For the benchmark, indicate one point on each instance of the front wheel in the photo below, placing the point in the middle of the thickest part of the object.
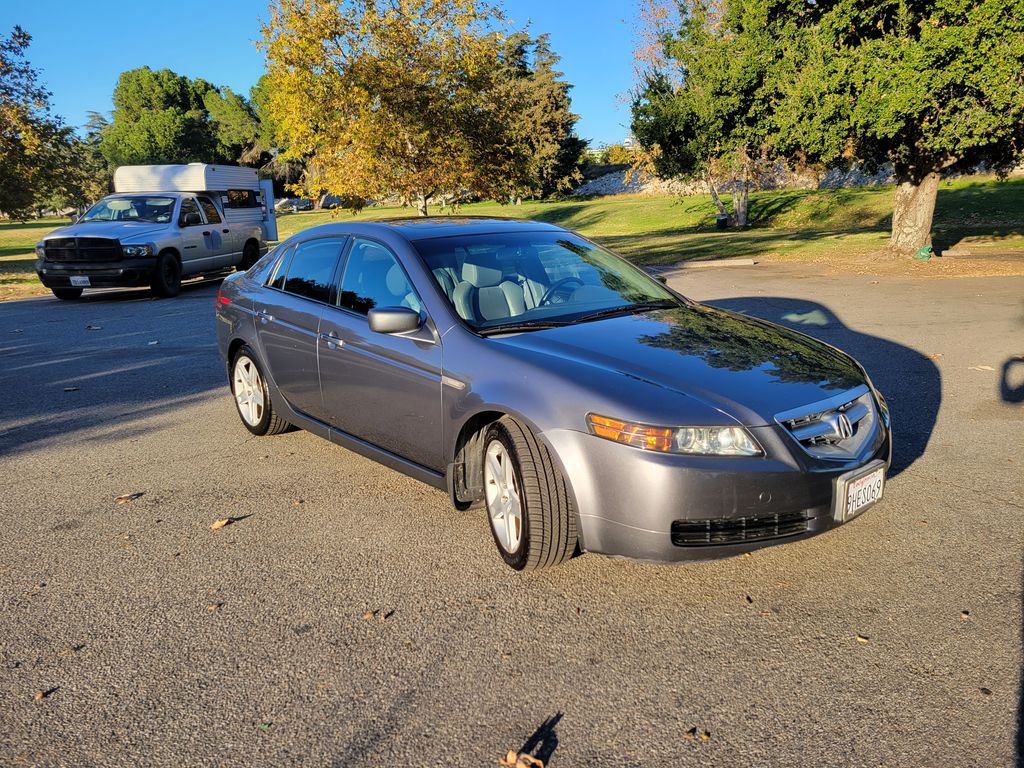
(528, 506)
(252, 396)
(167, 276)
(67, 294)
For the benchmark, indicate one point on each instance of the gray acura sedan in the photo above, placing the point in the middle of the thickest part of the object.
(580, 402)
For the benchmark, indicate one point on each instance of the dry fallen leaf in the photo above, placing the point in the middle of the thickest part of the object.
(40, 695)
(369, 615)
(520, 760)
(218, 524)
(125, 498)
(965, 615)
(936, 356)
(986, 691)
(212, 607)
(981, 368)
(705, 735)
(70, 389)
(94, 327)
(863, 639)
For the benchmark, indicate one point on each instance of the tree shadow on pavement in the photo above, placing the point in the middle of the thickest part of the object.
(96, 370)
(909, 381)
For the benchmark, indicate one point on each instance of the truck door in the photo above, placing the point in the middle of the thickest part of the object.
(223, 236)
(195, 237)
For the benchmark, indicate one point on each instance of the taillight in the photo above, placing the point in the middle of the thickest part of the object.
(222, 300)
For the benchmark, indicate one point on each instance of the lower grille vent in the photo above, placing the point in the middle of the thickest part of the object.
(704, 533)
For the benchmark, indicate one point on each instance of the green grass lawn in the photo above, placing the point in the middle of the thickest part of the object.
(981, 213)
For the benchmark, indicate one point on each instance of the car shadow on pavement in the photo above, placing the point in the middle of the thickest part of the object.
(909, 381)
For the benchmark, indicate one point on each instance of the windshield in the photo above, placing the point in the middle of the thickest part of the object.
(542, 278)
(148, 208)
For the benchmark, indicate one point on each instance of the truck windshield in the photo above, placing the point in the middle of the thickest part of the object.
(147, 208)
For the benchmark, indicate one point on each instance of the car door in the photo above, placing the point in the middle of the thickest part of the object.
(382, 388)
(288, 319)
(222, 239)
(194, 235)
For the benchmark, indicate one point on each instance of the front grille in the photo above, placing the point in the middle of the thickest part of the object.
(82, 249)
(705, 533)
(837, 428)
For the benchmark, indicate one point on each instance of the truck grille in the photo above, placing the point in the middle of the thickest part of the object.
(837, 428)
(705, 533)
(82, 249)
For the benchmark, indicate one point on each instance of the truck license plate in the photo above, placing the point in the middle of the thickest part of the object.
(80, 281)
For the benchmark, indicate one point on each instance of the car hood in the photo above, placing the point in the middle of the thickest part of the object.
(748, 368)
(125, 231)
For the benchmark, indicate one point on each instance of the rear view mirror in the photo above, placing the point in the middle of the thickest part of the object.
(394, 320)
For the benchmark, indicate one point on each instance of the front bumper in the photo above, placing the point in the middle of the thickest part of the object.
(627, 499)
(126, 273)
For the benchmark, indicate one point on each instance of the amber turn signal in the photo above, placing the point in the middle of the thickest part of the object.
(637, 435)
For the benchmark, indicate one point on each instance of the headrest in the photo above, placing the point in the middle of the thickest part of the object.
(482, 270)
(398, 285)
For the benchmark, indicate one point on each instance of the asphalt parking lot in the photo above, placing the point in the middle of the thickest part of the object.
(352, 617)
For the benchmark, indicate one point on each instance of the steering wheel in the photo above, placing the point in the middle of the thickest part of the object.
(556, 288)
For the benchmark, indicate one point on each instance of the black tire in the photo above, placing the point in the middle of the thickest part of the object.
(268, 422)
(67, 294)
(548, 518)
(167, 276)
(250, 255)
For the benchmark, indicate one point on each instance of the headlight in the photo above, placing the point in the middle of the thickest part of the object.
(40, 249)
(696, 441)
(137, 250)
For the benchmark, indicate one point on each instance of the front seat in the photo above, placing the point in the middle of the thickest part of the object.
(484, 293)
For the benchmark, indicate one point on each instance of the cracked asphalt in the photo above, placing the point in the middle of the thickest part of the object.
(351, 617)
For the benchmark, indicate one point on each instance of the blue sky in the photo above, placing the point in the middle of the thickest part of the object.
(82, 47)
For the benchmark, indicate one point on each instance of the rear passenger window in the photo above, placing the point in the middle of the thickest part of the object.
(312, 269)
(281, 270)
(212, 215)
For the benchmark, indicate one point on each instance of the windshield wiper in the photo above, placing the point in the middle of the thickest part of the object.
(626, 309)
(532, 325)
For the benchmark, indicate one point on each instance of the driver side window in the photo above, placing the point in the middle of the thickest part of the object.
(373, 279)
(189, 205)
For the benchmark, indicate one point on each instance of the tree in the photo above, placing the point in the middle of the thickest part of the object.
(929, 86)
(33, 142)
(236, 127)
(403, 97)
(160, 117)
(710, 120)
(545, 120)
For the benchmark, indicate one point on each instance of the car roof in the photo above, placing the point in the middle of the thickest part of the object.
(427, 227)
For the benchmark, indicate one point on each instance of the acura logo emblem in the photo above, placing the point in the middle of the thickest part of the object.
(840, 424)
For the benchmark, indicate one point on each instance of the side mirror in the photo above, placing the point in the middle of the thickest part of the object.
(74, 218)
(394, 320)
(192, 219)
(661, 279)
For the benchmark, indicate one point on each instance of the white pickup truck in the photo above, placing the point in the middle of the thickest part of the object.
(163, 223)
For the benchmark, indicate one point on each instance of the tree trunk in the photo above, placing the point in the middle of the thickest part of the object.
(912, 214)
(421, 203)
(714, 195)
(740, 200)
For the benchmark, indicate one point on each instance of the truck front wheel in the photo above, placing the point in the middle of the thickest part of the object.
(67, 294)
(167, 276)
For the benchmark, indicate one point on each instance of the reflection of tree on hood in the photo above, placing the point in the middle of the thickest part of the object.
(739, 343)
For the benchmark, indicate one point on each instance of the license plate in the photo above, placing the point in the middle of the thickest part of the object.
(80, 281)
(858, 490)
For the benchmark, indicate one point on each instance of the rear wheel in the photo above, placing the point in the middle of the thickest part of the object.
(532, 518)
(67, 294)
(167, 276)
(250, 255)
(252, 396)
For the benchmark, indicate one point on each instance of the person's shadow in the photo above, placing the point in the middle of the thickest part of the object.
(907, 379)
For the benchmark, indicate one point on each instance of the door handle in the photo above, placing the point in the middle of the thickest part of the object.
(332, 339)
(265, 317)
(226, 231)
(206, 234)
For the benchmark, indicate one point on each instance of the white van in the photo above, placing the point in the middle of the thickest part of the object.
(163, 223)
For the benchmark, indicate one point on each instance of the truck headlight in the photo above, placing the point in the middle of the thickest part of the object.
(137, 250)
(40, 250)
(694, 441)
